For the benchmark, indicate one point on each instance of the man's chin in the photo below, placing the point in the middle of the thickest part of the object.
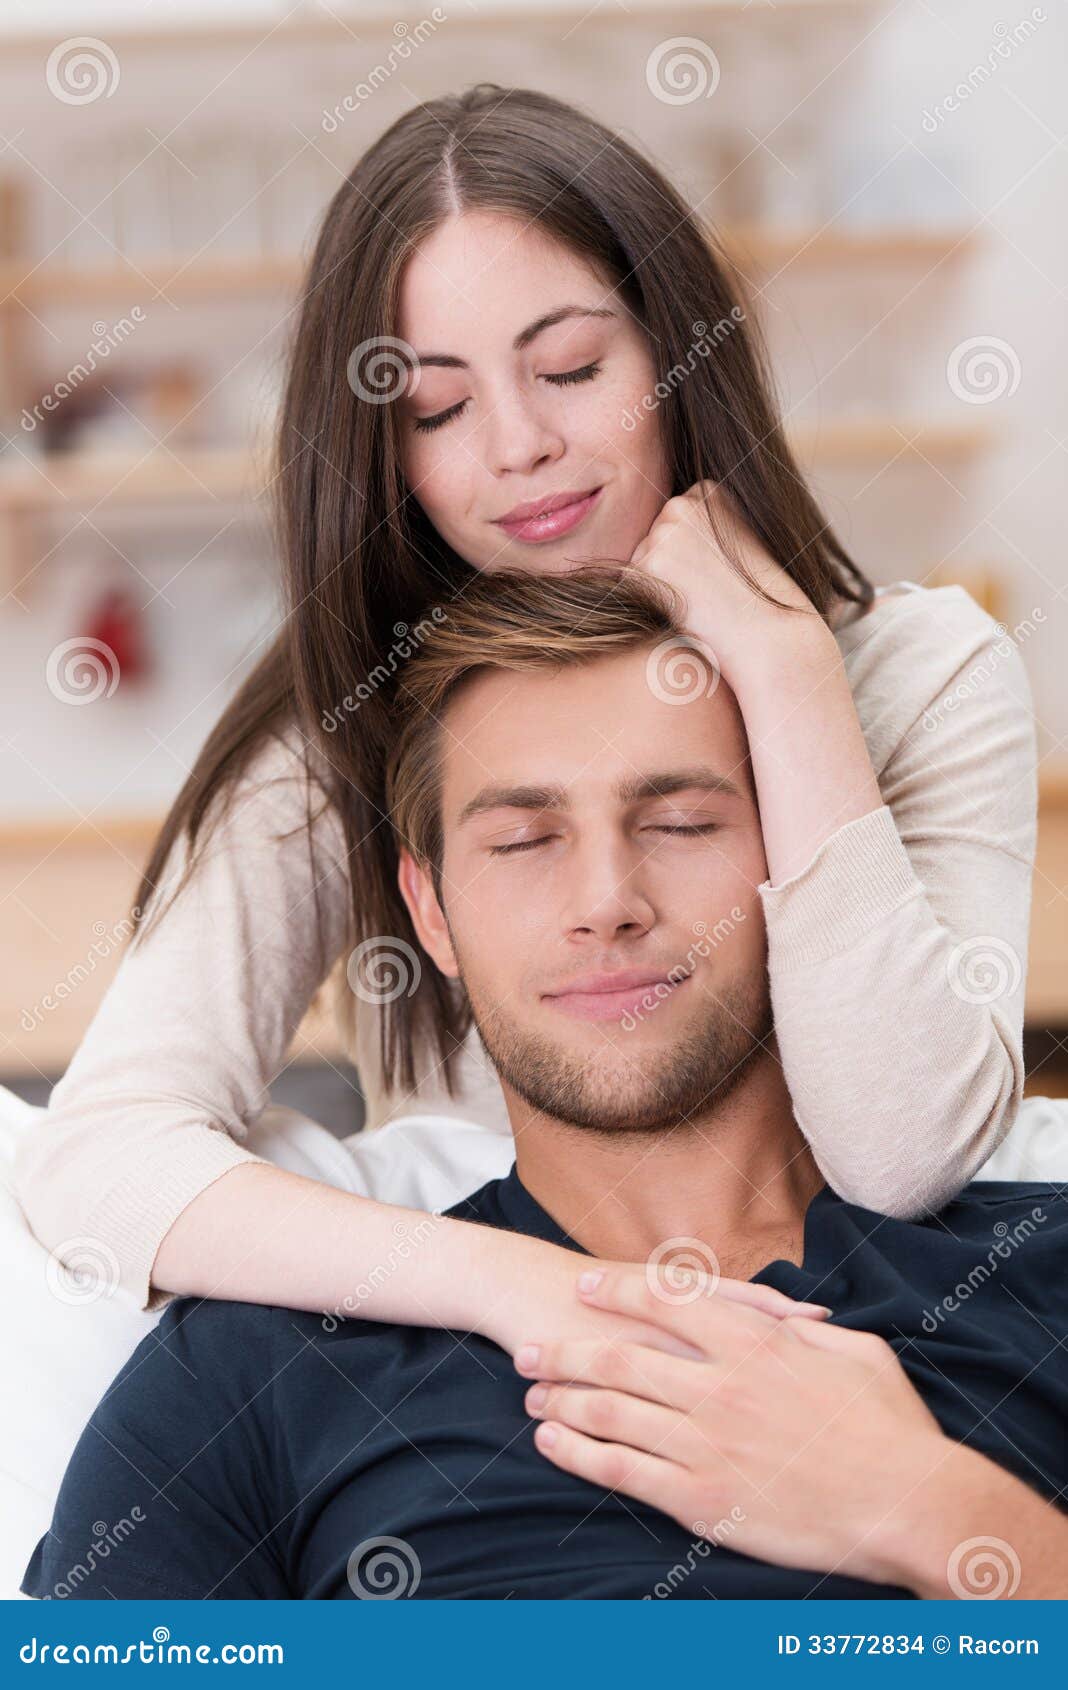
(649, 1094)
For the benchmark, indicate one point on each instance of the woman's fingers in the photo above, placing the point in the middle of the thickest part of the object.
(633, 1368)
(647, 1478)
(614, 1417)
(681, 1305)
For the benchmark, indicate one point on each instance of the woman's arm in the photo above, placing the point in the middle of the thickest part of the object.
(898, 796)
(195, 1025)
(897, 952)
(138, 1164)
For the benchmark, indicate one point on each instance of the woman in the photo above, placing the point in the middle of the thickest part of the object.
(507, 303)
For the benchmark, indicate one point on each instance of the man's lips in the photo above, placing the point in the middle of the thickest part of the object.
(606, 997)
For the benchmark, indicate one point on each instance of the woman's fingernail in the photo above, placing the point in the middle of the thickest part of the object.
(589, 1281)
(537, 1397)
(546, 1436)
(527, 1358)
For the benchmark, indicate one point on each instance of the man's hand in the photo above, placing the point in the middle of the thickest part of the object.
(803, 1442)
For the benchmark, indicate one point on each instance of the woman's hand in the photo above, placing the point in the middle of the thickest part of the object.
(682, 550)
(810, 761)
(804, 1443)
(529, 1286)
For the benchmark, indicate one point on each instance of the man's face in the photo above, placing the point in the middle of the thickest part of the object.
(584, 837)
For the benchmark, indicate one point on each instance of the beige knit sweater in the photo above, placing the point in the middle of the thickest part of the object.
(897, 960)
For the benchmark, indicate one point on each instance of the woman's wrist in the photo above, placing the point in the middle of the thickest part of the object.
(482, 1277)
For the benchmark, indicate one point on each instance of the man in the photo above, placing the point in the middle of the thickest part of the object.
(582, 851)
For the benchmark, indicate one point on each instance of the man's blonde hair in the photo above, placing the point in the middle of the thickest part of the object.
(508, 619)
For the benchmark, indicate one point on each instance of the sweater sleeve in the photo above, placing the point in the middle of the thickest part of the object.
(195, 1025)
(898, 956)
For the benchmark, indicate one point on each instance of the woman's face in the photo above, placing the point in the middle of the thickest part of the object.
(520, 424)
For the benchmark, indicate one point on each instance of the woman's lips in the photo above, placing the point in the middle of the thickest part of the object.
(610, 1006)
(535, 528)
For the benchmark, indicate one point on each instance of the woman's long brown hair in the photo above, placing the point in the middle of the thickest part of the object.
(359, 559)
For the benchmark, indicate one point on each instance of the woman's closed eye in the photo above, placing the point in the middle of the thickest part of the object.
(689, 831)
(426, 425)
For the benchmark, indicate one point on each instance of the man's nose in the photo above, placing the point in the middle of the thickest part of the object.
(605, 894)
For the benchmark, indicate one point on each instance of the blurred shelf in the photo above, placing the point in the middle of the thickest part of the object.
(186, 276)
(130, 478)
(877, 439)
(83, 876)
(272, 29)
(189, 276)
(769, 246)
(156, 477)
(136, 830)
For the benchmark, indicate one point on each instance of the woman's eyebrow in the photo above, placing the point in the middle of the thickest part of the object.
(446, 361)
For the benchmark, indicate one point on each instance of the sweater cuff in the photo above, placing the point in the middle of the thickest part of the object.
(857, 877)
(139, 1210)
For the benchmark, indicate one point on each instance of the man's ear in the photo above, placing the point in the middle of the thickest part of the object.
(418, 893)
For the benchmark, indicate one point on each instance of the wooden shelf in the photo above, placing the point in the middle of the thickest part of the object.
(179, 276)
(187, 276)
(768, 246)
(131, 478)
(866, 439)
(203, 476)
(65, 868)
(269, 30)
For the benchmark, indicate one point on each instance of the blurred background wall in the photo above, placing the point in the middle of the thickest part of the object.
(891, 180)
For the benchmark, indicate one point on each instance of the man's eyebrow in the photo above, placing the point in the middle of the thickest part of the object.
(632, 789)
(446, 361)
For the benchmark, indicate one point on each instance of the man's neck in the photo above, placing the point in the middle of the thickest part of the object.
(739, 1178)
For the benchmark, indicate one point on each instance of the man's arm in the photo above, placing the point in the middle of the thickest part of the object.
(172, 1488)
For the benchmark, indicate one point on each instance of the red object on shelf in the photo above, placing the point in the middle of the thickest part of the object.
(117, 623)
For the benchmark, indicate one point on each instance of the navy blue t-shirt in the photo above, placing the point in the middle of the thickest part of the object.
(247, 1451)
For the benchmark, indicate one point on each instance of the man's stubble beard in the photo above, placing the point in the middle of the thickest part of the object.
(620, 1088)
